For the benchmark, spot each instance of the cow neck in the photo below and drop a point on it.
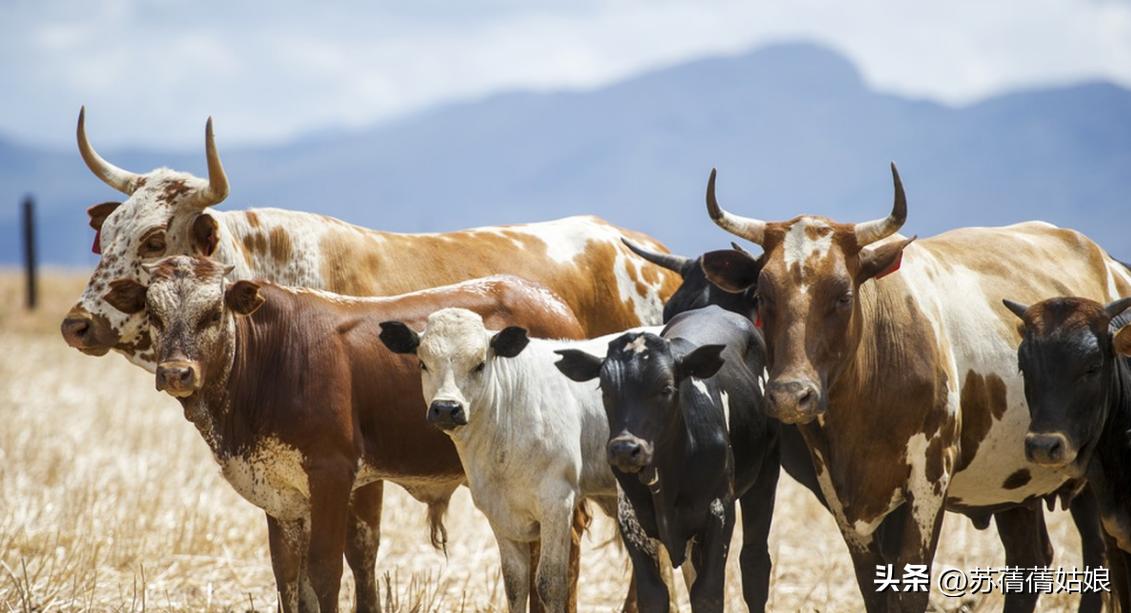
(237, 230)
(233, 405)
(870, 392)
(505, 411)
(671, 459)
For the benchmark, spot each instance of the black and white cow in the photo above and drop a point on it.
(688, 436)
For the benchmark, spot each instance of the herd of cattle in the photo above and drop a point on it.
(980, 371)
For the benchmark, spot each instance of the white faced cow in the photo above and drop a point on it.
(531, 441)
(905, 385)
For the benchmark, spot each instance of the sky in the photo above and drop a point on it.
(151, 71)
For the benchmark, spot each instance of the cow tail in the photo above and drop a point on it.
(439, 533)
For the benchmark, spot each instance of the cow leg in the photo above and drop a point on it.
(922, 523)
(1086, 515)
(1026, 541)
(651, 567)
(287, 540)
(580, 523)
(754, 560)
(514, 557)
(552, 575)
(329, 517)
(710, 558)
(362, 540)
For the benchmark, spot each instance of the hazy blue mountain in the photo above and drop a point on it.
(792, 128)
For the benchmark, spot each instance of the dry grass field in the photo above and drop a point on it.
(109, 500)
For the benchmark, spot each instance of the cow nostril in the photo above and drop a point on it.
(805, 396)
(1055, 449)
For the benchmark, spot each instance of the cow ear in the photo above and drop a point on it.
(1122, 341)
(509, 341)
(578, 365)
(243, 297)
(701, 363)
(126, 295)
(99, 212)
(205, 235)
(882, 260)
(398, 337)
(731, 270)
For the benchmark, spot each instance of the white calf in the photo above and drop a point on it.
(532, 442)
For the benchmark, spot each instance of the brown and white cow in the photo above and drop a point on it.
(167, 212)
(303, 407)
(905, 385)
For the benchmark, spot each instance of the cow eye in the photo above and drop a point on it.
(154, 245)
(211, 318)
(480, 367)
(423, 366)
(1092, 370)
(844, 301)
(667, 390)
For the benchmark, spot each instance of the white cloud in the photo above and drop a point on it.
(151, 71)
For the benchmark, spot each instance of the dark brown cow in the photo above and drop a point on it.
(302, 406)
(905, 386)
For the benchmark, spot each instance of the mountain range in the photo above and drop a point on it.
(792, 128)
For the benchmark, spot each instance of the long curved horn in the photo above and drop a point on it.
(121, 180)
(217, 188)
(671, 261)
(871, 231)
(753, 230)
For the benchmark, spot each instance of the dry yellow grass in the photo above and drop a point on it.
(109, 500)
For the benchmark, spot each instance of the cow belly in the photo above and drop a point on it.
(271, 477)
(999, 472)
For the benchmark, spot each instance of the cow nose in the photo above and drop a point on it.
(179, 378)
(628, 453)
(75, 329)
(793, 402)
(446, 414)
(1048, 448)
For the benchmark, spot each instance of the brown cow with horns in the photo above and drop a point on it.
(905, 386)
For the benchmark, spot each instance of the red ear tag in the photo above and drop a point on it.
(97, 246)
(758, 321)
(890, 269)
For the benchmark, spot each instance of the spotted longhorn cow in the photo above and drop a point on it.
(905, 384)
(167, 212)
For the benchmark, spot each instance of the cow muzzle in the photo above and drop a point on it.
(446, 414)
(628, 453)
(794, 401)
(1049, 449)
(179, 378)
(87, 333)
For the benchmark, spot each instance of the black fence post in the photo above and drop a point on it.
(29, 252)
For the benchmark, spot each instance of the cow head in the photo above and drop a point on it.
(163, 214)
(458, 360)
(696, 291)
(808, 282)
(190, 310)
(641, 377)
(1068, 359)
